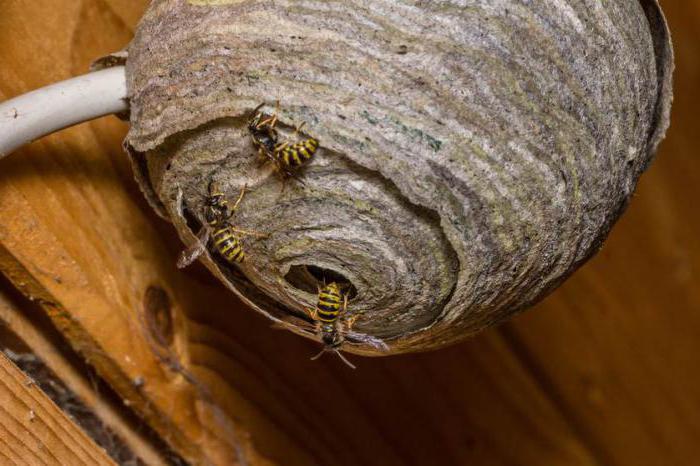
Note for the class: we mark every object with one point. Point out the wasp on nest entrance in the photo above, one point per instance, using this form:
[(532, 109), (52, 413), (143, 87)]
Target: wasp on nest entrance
[(332, 318), (311, 278)]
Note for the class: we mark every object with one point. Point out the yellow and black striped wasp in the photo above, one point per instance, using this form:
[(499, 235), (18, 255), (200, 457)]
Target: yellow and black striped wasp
[(225, 239), (334, 325), (287, 156)]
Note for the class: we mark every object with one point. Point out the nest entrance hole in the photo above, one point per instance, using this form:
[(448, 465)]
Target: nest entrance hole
[(310, 278)]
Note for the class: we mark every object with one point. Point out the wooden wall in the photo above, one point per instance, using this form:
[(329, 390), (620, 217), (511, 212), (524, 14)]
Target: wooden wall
[(604, 372)]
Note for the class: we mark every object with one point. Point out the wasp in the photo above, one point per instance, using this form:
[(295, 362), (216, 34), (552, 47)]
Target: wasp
[(286, 156), (334, 325), (225, 239)]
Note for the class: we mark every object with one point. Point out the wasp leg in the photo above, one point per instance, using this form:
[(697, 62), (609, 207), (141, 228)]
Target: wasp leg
[(240, 198), (272, 121), (345, 304), (280, 147), (349, 319), (264, 156), (281, 171), (313, 313), (287, 174), (297, 130)]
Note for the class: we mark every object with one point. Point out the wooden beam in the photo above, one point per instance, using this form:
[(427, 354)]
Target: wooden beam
[(24, 323), (33, 430)]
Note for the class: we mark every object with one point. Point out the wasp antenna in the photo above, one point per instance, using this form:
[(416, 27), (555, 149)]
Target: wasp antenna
[(257, 108), (298, 128), (345, 360), (319, 354)]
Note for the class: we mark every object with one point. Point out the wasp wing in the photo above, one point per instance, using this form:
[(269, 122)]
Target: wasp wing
[(195, 250), (375, 342)]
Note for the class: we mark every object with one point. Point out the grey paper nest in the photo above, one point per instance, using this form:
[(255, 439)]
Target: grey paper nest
[(473, 154)]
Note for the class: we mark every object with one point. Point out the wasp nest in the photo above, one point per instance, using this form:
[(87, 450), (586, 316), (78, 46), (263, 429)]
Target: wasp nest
[(472, 154)]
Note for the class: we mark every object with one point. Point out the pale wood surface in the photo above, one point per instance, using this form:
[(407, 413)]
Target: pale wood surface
[(604, 372), (34, 431), (43, 345)]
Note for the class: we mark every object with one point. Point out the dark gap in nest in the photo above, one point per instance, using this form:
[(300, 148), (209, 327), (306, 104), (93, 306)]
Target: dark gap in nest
[(191, 220), (310, 278)]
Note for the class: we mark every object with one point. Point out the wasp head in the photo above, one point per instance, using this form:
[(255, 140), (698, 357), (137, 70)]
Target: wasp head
[(330, 337), (253, 123), (333, 288)]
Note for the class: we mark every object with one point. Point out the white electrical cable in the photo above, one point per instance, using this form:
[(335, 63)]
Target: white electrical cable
[(38, 113)]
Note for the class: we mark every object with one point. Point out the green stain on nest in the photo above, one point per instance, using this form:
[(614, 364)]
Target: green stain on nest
[(363, 206), (354, 143), (434, 143), (418, 135), (370, 119), (414, 133)]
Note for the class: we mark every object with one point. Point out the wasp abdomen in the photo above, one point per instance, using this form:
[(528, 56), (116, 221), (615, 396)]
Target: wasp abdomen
[(228, 245), (298, 153), (329, 302)]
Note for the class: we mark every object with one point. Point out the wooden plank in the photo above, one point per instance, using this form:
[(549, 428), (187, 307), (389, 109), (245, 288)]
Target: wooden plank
[(33, 430), (25, 323)]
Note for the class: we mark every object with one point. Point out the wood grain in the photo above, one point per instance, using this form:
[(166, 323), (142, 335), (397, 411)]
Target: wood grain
[(34, 431), (603, 373), (22, 321)]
